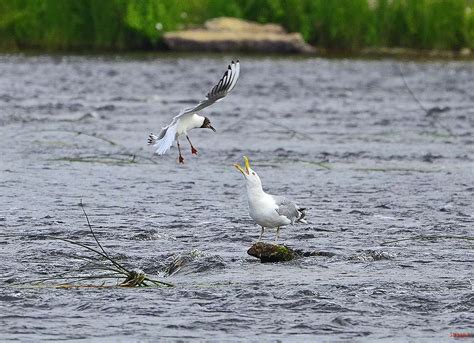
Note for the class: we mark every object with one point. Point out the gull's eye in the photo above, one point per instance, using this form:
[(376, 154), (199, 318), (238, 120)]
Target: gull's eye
[(253, 173)]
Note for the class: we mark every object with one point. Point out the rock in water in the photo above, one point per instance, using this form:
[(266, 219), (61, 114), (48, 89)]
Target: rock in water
[(231, 34), (271, 252), (267, 252)]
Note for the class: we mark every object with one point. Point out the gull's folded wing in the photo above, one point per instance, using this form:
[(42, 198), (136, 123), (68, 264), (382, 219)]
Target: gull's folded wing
[(219, 91), (286, 208)]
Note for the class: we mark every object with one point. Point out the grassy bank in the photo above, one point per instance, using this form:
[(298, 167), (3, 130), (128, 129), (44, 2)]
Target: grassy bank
[(335, 24)]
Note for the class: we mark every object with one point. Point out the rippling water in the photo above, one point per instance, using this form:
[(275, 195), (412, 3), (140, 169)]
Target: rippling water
[(342, 137)]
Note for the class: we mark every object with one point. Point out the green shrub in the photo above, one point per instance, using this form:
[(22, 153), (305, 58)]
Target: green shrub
[(335, 24)]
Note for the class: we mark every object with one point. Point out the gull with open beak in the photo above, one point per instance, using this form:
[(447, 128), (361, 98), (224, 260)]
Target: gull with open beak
[(268, 211), (188, 118)]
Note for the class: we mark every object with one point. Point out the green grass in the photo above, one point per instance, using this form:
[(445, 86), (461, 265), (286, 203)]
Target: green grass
[(346, 25)]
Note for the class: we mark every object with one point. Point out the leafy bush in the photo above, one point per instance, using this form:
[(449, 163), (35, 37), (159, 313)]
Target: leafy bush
[(335, 24)]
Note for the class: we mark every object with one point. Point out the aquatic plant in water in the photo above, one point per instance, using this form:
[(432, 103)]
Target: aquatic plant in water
[(98, 267)]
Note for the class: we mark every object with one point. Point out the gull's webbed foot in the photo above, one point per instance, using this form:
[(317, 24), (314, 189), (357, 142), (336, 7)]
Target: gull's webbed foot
[(193, 149), (181, 159)]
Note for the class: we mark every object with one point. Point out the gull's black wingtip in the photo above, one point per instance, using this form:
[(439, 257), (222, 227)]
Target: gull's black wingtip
[(151, 139)]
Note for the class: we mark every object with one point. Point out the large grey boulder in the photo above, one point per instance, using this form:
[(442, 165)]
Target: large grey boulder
[(231, 34)]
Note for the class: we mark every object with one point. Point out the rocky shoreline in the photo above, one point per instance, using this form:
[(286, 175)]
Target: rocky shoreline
[(231, 34)]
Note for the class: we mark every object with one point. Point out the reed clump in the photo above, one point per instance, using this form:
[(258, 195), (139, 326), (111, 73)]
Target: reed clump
[(98, 270), (139, 24)]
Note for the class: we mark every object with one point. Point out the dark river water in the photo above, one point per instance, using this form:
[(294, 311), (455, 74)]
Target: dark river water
[(344, 138)]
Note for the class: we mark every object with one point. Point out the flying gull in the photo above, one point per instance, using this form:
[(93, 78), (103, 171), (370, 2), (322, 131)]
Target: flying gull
[(188, 118), (268, 211)]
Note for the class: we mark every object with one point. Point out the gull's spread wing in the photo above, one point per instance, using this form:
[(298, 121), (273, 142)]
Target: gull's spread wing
[(164, 140), (219, 91)]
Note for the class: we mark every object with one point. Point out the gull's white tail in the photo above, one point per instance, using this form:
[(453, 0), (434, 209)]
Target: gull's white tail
[(164, 141)]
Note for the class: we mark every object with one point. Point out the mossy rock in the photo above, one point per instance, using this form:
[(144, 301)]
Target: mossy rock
[(267, 252), (271, 252)]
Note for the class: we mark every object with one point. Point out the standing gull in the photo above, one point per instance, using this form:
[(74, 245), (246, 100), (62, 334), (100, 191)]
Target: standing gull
[(188, 118), (268, 211)]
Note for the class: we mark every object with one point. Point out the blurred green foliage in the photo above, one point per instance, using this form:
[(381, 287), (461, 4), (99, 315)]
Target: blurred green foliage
[(139, 24)]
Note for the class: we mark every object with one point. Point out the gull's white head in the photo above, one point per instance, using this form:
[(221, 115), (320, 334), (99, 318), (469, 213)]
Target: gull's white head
[(253, 180)]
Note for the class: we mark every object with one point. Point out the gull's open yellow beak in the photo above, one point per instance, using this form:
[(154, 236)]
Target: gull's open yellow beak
[(247, 166), (239, 168)]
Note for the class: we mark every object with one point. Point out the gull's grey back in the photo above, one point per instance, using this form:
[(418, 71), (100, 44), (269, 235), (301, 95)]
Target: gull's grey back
[(286, 208)]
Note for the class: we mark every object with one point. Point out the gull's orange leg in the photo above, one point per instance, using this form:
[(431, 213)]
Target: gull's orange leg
[(180, 159), (193, 150)]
